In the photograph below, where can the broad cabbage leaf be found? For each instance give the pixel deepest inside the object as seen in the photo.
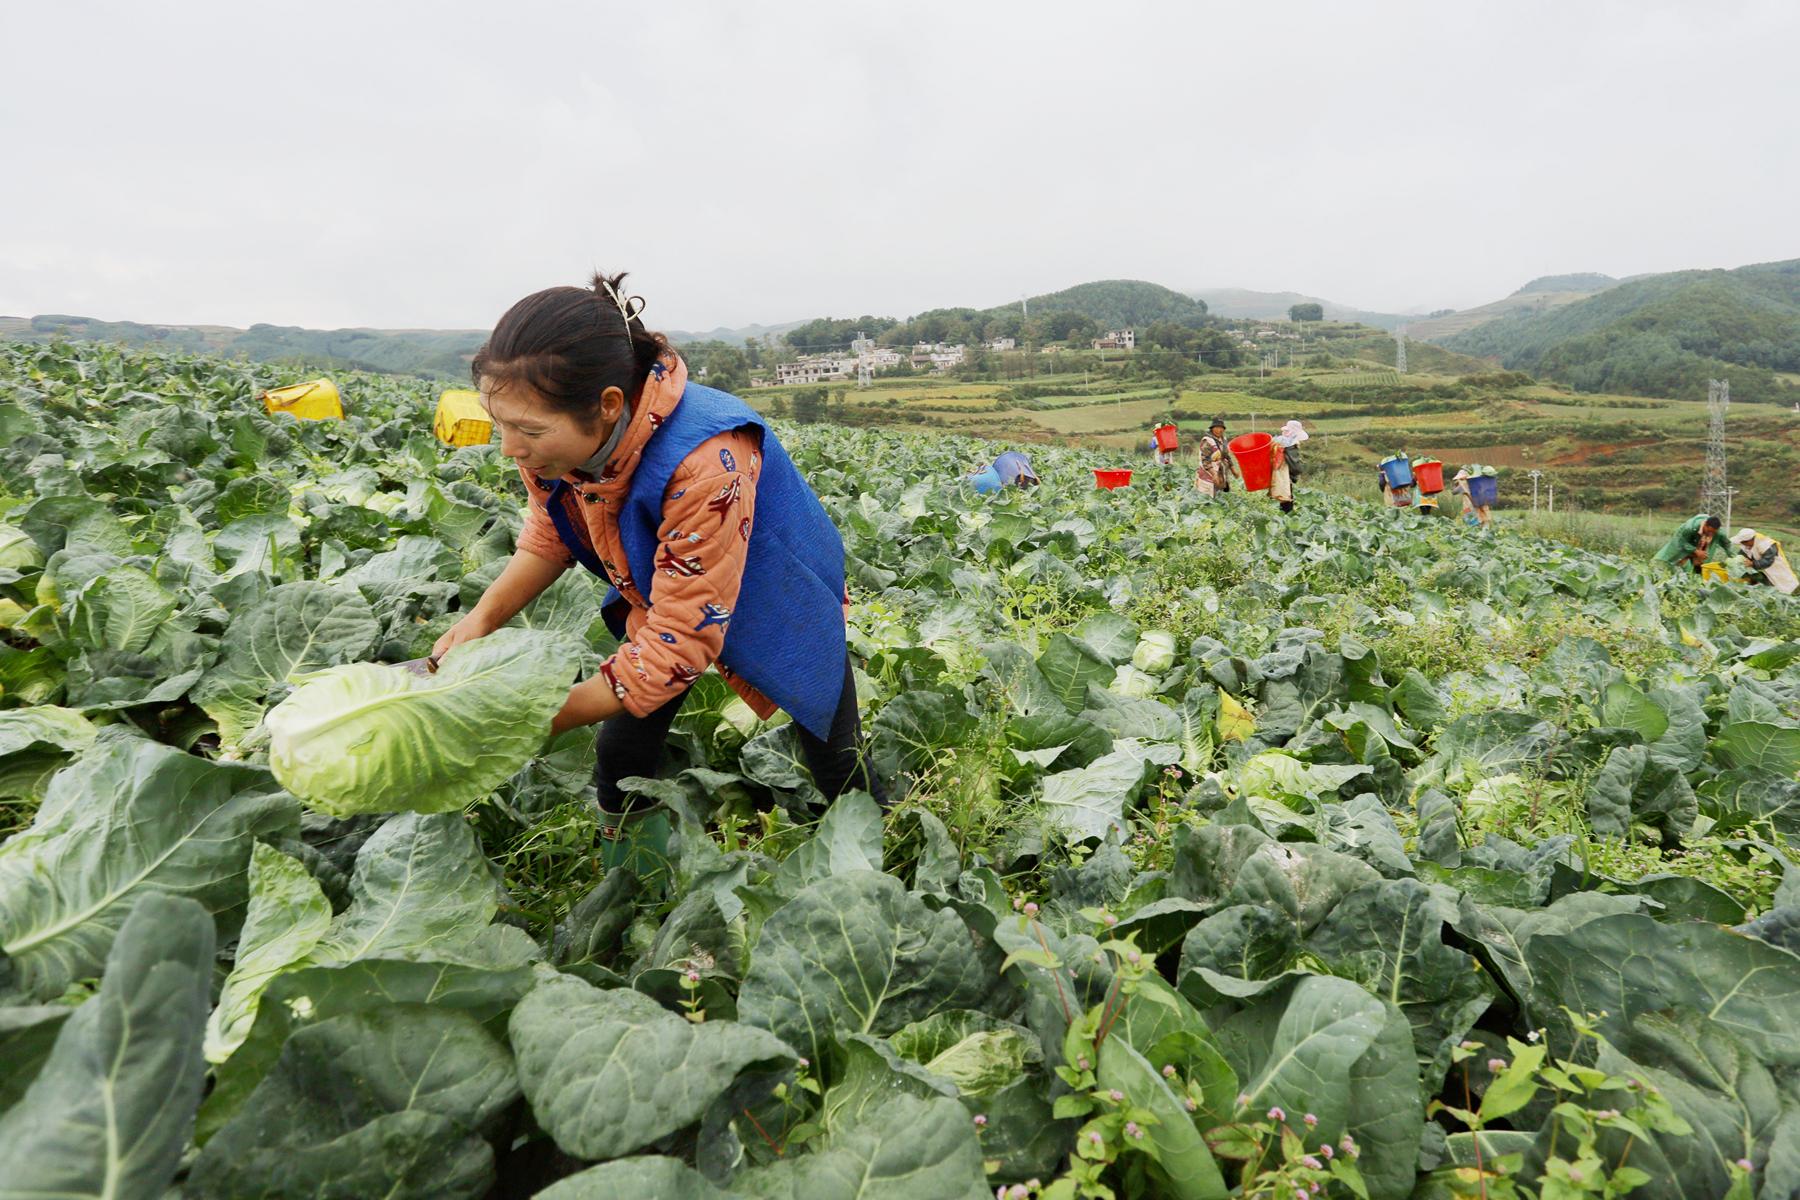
(368, 738)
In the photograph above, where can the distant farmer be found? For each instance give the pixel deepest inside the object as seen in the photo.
(1163, 444)
(1472, 513)
(1697, 541)
(1766, 561)
(1287, 464)
(678, 496)
(1395, 497)
(1216, 464)
(1010, 469)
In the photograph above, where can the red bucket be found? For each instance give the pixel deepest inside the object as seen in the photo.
(1256, 459)
(1429, 475)
(1167, 438)
(1111, 479)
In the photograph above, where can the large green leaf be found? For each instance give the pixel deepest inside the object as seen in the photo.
(1389, 937)
(129, 817)
(288, 914)
(1190, 1172)
(1089, 802)
(371, 738)
(304, 997)
(1625, 706)
(1327, 1047)
(1069, 665)
(111, 1109)
(1734, 1103)
(391, 1102)
(121, 609)
(867, 1073)
(422, 889)
(910, 1149)
(1630, 964)
(27, 1034)
(914, 728)
(855, 953)
(298, 627)
(609, 1072)
(1760, 746)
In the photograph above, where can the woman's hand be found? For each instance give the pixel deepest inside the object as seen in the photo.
(474, 624)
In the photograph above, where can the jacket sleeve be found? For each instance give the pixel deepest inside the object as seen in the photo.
(704, 541)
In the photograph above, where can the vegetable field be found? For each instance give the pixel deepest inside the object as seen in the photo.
(1350, 853)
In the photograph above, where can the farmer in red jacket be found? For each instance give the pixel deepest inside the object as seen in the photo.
(717, 551)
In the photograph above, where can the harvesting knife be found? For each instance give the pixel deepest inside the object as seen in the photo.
(420, 666)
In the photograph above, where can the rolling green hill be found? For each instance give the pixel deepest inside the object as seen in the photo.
(1539, 296)
(1661, 335)
(1086, 307)
(439, 353)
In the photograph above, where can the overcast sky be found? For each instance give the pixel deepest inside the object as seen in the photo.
(399, 165)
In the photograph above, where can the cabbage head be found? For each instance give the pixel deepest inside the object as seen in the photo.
(370, 738)
(1155, 651)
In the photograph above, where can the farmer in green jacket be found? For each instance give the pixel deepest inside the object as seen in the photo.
(1696, 542)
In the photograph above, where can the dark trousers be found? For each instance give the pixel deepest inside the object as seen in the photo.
(629, 746)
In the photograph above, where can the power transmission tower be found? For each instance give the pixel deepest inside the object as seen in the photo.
(1713, 498)
(865, 367)
(1400, 350)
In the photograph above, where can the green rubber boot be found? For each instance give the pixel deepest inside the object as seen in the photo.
(639, 840)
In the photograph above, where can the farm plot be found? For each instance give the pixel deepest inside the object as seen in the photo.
(1234, 854)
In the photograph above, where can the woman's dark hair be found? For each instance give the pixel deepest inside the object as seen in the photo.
(569, 344)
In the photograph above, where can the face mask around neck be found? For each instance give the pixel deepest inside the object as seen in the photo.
(594, 465)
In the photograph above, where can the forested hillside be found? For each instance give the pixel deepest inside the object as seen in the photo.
(1073, 312)
(439, 353)
(1662, 335)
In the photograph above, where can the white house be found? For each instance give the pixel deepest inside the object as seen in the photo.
(938, 356)
(814, 370)
(1000, 344)
(1117, 339)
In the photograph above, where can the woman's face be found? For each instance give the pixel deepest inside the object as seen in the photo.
(544, 440)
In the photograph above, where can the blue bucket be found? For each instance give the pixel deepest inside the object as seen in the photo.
(1484, 490)
(1397, 469)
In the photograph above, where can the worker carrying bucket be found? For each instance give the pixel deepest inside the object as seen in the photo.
(1395, 478)
(1165, 440)
(1476, 499)
(1428, 474)
(1217, 464)
(1286, 463)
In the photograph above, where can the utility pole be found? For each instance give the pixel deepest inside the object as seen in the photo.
(865, 369)
(1713, 492)
(1553, 498)
(1534, 484)
(1729, 493)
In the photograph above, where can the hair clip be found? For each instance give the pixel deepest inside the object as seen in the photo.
(630, 307)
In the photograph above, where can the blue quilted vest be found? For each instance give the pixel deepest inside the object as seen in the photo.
(786, 632)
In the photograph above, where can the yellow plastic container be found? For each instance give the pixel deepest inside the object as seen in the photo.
(314, 400)
(460, 420)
